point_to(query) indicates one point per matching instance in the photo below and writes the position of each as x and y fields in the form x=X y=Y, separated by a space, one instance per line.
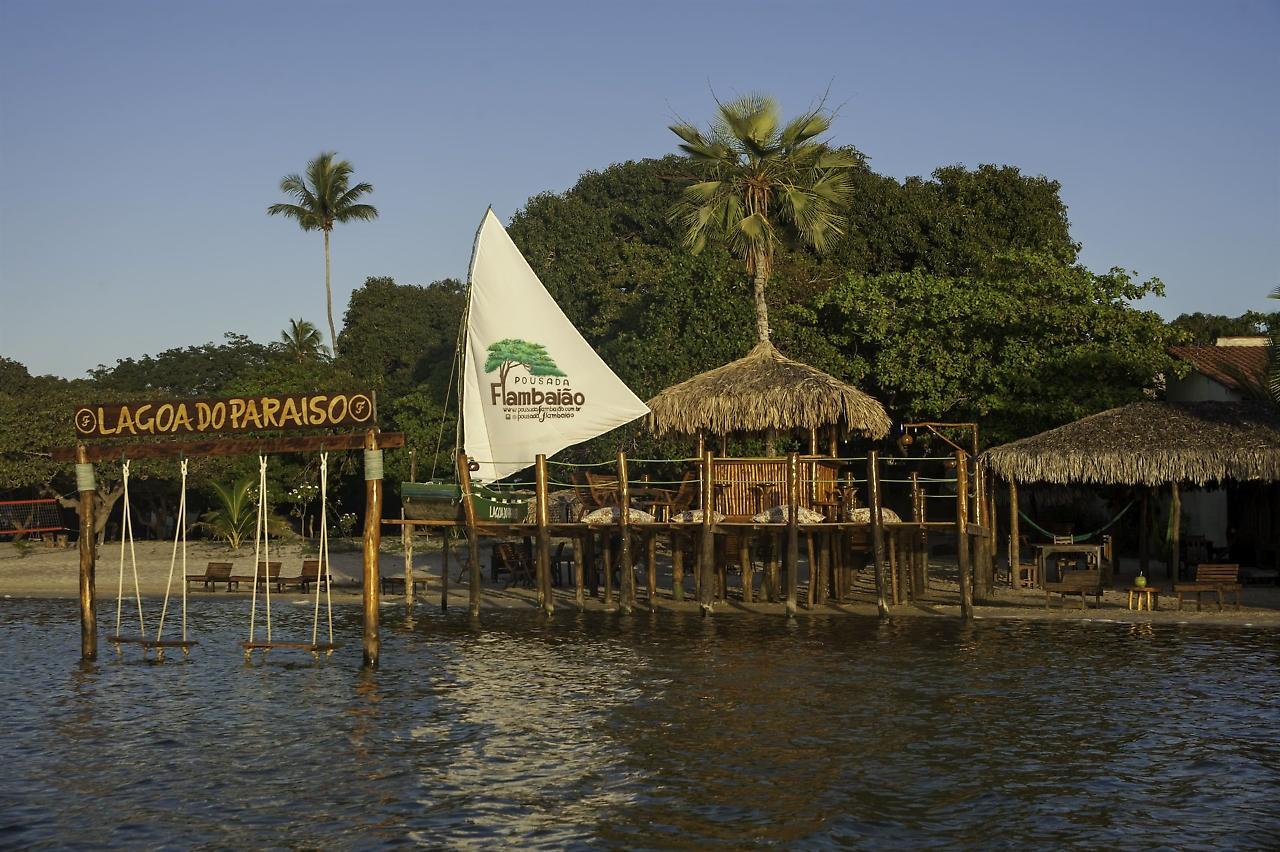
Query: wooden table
x=1149 y=594
x=1091 y=552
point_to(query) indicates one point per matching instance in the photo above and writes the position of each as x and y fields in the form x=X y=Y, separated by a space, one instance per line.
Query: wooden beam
x=227 y=447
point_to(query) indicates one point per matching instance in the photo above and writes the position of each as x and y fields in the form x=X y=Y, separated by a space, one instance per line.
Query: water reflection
x=645 y=731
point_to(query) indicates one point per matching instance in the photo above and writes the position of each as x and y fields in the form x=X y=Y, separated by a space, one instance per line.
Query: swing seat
x=328 y=648
x=184 y=644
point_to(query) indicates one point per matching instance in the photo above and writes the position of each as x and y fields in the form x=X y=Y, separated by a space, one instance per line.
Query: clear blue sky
x=141 y=142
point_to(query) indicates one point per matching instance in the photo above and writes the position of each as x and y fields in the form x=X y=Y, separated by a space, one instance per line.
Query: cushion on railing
x=863 y=516
x=611 y=515
x=781 y=514
x=694 y=516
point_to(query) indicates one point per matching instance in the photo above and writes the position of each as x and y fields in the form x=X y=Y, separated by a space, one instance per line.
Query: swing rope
x=179 y=534
x=126 y=534
x=322 y=576
x=261 y=545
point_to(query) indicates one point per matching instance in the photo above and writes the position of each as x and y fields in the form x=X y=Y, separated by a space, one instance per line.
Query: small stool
x=1149 y=594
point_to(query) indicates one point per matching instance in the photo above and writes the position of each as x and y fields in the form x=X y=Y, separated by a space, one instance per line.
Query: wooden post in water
x=980 y=548
x=627 y=580
x=919 y=581
x=546 y=597
x=962 y=534
x=707 y=544
x=1015 y=544
x=677 y=566
x=579 y=569
x=651 y=578
x=473 y=535
x=877 y=530
x=1175 y=530
x=372 y=544
x=792 y=558
x=87 y=489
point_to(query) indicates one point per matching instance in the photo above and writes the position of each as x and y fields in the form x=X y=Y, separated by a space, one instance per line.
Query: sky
x=141 y=142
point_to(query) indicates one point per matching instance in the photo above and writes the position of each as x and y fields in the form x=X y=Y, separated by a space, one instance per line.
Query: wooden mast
x=372 y=542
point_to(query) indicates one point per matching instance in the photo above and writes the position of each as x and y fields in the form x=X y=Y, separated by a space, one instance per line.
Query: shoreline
x=39 y=572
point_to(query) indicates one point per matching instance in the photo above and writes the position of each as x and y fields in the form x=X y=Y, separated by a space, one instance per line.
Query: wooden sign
x=236 y=414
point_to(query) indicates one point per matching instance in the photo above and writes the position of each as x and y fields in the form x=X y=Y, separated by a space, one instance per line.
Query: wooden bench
x=1080 y=583
x=214 y=573
x=1211 y=578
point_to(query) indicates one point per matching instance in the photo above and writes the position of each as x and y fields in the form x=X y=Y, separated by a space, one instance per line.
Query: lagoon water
x=643 y=732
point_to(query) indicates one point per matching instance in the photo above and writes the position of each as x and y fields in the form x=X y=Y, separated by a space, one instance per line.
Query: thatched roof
x=761 y=391
x=1150 y=443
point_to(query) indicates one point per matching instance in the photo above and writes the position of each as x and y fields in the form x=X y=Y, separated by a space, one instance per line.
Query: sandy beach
x=38 y=570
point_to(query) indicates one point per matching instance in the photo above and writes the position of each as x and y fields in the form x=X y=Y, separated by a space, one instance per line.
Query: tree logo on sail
x=522 y=397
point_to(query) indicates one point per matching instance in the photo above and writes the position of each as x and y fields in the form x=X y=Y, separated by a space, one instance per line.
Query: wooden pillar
x=744 y=557
x=1015 y=545
x=88 y=556
x=792 y=558
x=1175 y=530
x=834 y=438
x=677 y=566
x=706 y=546
x=981 y=547
x=919 y=552
x=962 y=534
x=627 y=581
x=372 y=543
x=473 y=535
x=546 y=596
x=877 y=530
x=579 y=569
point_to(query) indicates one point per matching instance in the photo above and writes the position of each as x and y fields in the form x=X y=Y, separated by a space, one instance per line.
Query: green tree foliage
x=1033 y=345
x=192 y=371
x=324 y=198
x=396 y=337
x=234 y=513
x=756 y=176
x=1207 y=328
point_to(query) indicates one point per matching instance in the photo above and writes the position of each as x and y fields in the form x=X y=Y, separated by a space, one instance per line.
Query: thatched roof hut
x=765 y=390
x=1150 y=443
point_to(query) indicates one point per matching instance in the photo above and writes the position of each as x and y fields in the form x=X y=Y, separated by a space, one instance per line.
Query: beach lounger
x=214 y=573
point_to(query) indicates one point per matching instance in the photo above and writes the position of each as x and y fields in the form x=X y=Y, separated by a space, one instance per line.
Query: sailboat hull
x=442 y=501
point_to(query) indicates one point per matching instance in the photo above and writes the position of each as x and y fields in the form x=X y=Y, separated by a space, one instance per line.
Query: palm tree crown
x=302 y=341
x=757 y=175
x=321 y=200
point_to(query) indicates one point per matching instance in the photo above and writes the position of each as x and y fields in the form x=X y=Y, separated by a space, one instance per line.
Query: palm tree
x=325 y=198
x=756 y=176
x=302 y=340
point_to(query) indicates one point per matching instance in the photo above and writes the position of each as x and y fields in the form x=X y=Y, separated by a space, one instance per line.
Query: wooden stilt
x=372 y=543
x=406 y=543
x=744 y=557
x=824 y=568
x=627 y=582
x=899 y=587
x=706 y=548
x=1015 y=543
x=877 y=531
x=546 y=596
x=1175 y=531
x=606 y=557
x=811 y=592
x=88 y=559
x=962 y=534
x=473 y=535
x=792 y=559
x=579 y=569
x=774 y=577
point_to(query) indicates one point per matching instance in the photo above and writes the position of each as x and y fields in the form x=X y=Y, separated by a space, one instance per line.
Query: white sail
x=531 y=384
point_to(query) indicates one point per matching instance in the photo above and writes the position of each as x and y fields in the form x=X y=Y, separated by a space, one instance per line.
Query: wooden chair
x=681 y=500
x=214 y=573
x=520 y=571
x=1080 y=583
x=602 y=489
x=1211 y=578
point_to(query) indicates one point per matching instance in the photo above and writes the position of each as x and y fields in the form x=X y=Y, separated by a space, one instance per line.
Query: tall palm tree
x=757 y=176
x=325 y=198
x=302 y=340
